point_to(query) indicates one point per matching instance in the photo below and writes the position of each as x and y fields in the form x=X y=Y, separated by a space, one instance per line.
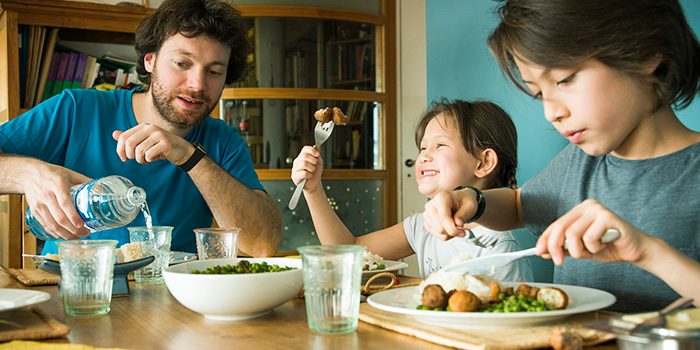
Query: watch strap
x=199 y=153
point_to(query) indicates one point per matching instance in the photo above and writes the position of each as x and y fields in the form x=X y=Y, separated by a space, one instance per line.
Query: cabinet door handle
x=409 y=162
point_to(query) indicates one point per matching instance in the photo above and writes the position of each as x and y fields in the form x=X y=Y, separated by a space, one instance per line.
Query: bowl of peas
x=234 y=289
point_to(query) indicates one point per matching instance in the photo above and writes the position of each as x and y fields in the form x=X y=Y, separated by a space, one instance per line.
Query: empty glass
x=87 y=268
x=216 y=243
x=332 y=286
x=154 y=240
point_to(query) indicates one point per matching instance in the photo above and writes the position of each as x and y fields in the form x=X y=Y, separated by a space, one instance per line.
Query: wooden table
x=150 y=318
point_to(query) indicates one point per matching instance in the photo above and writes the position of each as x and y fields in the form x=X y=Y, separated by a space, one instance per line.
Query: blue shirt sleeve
x=28 y=134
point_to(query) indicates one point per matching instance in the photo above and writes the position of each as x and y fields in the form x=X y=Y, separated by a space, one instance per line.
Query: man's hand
x=47 y=190
x=147 y=143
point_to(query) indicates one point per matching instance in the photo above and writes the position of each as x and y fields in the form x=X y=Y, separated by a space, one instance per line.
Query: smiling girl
x=609 y=74
x=461 y=144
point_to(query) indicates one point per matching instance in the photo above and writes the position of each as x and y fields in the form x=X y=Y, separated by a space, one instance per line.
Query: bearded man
x=191 y=166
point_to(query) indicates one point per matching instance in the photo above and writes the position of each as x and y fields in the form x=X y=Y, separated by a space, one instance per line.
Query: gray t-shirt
x=660 y=196
x=434 y=253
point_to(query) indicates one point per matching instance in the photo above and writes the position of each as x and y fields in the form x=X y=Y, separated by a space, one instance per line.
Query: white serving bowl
x=235 y=296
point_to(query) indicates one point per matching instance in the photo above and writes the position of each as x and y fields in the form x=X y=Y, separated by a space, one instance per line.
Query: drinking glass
x=154 y=240
x=332 y=286
x=87 y=268
x=216 y=243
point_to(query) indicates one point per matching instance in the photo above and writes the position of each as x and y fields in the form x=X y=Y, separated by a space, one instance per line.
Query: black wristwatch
x=199 y=153
x=480 y=203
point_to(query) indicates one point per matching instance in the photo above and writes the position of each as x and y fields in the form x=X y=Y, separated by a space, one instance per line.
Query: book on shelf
x=60 y=73
x=76 y=81
x=67 y=81
x=47 y=64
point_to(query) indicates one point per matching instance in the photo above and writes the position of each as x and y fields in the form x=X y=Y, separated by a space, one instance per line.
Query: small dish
x=181 y=257
x=120 y=283
x=390 y=266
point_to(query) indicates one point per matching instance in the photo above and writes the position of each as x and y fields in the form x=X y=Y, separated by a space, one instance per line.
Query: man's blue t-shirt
x=74 y=130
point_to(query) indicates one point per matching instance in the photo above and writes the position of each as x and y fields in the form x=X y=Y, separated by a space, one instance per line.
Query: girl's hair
x=216 y=19
x=623 y=34
x=482 y=125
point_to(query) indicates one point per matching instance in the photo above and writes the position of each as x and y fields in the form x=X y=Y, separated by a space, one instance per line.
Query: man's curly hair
x=215 y=19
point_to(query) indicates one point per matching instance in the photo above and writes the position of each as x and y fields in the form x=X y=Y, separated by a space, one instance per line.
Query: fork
x=322 y=132
x=483 y=241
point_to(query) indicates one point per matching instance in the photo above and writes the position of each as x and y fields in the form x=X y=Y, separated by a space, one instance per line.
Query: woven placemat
x=34 y=277
x=486 y=338
x=30 y=324
x=32 y=345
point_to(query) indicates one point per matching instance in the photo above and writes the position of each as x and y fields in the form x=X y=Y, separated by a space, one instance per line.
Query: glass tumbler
x=155 y=241
x=332 y=286
x=87 y=268
x=216 y=243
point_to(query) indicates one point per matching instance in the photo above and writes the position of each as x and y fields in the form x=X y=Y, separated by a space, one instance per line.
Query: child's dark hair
x=623 y=34
x=481 y=125
x=216 y=19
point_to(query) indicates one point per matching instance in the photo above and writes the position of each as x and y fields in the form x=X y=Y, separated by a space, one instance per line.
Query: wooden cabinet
x=350 y=63
x=78 y=21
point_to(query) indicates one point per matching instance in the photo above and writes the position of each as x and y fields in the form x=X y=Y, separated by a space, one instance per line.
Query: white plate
x=181 y=257
x=391 y=265
x=11 y=299
x=581 y=299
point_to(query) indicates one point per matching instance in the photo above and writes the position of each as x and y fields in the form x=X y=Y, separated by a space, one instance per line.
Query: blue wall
x=459 y=65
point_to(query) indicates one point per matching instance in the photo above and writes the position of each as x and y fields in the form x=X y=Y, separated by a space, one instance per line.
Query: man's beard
x=163 y=101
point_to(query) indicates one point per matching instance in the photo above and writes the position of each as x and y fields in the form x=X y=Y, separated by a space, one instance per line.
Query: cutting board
x=487 y=338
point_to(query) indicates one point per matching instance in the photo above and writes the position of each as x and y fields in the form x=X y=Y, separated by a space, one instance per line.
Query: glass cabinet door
x=310 y=53
x=275 y=130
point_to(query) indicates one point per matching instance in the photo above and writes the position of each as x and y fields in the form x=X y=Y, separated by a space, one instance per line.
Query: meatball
x=434 y=296
x=464 y=301
x=339 y=118
x=324 y=115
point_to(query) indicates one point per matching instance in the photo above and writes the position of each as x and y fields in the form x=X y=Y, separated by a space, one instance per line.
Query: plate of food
x=483 y=302
x=11 y=299
x=374 y=264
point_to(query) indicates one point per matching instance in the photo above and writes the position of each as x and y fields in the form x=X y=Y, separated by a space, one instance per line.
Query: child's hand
x=308 y=165
x=582 y=228
x=447 y=210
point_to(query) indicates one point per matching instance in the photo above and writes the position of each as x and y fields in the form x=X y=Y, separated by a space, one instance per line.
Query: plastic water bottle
x=104 y=203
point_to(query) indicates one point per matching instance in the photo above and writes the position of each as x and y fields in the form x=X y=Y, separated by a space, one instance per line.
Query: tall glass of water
x=332 y=286
x=87 y=268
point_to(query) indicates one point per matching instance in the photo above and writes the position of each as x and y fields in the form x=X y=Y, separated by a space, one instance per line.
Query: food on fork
x=336 y=115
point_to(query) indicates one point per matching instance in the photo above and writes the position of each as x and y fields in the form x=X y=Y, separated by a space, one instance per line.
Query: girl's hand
x=448 y=210
x=308 y=165
x=582 y=228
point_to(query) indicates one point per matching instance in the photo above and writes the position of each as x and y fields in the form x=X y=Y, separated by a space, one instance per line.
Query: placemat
x=34 y=277
x=487 y=338
x=34 y=324
x=32 y=345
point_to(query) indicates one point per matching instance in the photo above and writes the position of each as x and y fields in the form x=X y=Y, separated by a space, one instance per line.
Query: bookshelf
x=71 y=20
x=324 y=44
